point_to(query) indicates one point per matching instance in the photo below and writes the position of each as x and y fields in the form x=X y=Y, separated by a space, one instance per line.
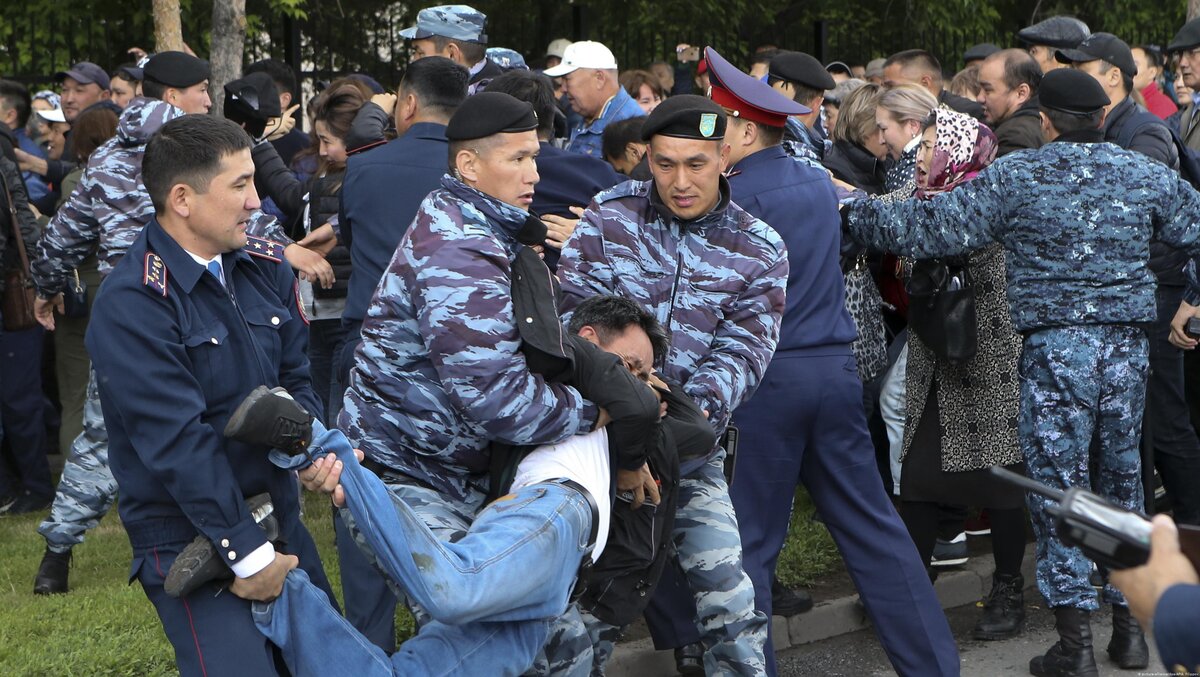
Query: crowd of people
x=561 y=343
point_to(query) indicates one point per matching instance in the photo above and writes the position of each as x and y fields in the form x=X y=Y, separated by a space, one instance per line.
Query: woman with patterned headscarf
x=961 y=417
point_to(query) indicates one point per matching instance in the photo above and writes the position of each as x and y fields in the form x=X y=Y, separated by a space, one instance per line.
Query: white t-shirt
x=583 y=458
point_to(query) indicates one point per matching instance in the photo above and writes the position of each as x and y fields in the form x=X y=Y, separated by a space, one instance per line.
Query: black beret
x=176 y=69
x=979 y=52
x=1071 y=91
x=1063 y=32
x=1101 y=46
x=686 y=116
x=801 y=68
x=489 y=113
x=255 y=96
x=1187 y=37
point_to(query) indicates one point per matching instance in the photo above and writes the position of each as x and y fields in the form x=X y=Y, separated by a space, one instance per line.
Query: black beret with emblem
x=801 y=68
x=489 y=113
x=1071 y=91
x=176 y=69
x=686 y=116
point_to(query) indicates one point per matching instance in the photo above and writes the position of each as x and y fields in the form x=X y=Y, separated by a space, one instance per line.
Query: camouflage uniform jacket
x=1076 y=218
x=717 y=284
x=439 y=374
x=110 y=205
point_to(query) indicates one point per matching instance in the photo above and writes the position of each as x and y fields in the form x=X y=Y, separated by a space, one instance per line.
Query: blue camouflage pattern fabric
x=110 y=205
x=87 y=489
x=439 y=375
x=1091 y=267
x=800 y=144
x=1077 y=381
x=458 y=22
x=717 y=285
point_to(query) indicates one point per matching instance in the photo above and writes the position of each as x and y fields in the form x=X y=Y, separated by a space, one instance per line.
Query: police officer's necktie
x=214 y=267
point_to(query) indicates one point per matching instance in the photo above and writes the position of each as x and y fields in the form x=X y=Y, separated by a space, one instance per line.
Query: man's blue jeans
x=316 y=640
x=517 y=562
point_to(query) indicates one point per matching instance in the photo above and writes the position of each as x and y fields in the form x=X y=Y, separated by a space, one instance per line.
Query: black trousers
x=1169 y=441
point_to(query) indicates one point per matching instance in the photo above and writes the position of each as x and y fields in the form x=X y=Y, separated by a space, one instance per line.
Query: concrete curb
x=832 y=618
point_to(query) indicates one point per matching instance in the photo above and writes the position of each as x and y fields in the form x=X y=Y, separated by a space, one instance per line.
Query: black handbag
x=18 y=298
x=941 y=308
x=75 y=298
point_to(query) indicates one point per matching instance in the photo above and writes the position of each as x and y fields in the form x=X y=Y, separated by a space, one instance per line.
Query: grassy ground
x=105 y=627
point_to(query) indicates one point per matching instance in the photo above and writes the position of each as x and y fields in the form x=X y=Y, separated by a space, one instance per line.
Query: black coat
x=26 y=223
x=1022 y=129
x=856 y=166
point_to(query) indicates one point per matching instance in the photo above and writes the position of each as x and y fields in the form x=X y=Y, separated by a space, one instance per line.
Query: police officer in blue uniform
x=193 y=318
x=806 y=422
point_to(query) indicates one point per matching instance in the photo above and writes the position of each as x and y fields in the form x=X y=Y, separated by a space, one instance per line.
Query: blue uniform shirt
x=175 y=352
x=380 y=195
x=799 y=203
x=586 y=138
x=568 y=180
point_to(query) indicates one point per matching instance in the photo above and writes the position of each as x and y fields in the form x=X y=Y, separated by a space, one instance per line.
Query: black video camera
x=1112 y=536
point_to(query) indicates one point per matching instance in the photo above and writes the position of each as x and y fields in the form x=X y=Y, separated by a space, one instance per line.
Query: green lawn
x=105 y=627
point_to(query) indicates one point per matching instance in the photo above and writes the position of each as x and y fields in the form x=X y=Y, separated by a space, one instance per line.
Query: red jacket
x=1158 y=103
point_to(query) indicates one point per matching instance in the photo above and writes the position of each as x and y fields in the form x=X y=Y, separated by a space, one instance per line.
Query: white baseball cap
x=558 y=47
x=584 y=54
x=52 y=115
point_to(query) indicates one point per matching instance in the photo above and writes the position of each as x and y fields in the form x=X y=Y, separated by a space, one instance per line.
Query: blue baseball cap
x=87 y=73
x=457 y=22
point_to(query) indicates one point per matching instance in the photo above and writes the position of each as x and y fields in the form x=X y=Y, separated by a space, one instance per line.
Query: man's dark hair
x=764 y=55
x=280 y=72
x=620 y=134
x=533 y=88
x=919 y=58
x=1066 y=123
x=153 y=90
x=1020 y=69
x=189 y=150
x=801 y=94
x=472 y=52
x=438 y=83
x=16 y=96
x=771 y=136
x=612 y=315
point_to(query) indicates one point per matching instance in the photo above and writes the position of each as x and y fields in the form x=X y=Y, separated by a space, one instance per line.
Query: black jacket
x=856 y=166
x=26 y=223
x=961 y=104
x=1022 y=129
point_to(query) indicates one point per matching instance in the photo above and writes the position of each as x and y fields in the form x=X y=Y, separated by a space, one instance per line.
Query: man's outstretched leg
x=316 y=640
x=518 y=560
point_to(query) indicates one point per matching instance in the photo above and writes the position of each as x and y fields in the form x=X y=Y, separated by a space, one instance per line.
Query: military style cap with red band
x=747 y=97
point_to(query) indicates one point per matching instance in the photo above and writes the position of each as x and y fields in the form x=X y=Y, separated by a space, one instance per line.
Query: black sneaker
x=52 y=573
x=199 y=563
x=689 y=660
x=29 y=504
x=787 y=602
x=950 y=553
x=270 y=417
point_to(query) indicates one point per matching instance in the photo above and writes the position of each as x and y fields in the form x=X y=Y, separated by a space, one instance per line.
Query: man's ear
x=406 y=107
x=466 y=163
x=1024 y=93
x=724 y=161
x=180 y=199
x=635 y=151
x=588 y=334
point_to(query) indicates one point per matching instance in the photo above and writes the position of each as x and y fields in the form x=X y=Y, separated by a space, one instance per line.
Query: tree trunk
x=1193 y=9
x=168 y=33
x=228 y=44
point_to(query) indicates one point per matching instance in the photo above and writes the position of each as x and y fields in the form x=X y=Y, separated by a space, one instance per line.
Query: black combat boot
x=270 y=417
x=1004 y=610
x=787 y=602
x=1127 y=648
x=52 y=573
x=1072 y=655
x=689 y=660
x=199 y=562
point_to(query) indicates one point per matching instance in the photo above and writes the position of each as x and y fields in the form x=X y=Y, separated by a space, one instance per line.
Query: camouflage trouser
x=1076 y=381
x=87 y=489
x=581 y=645
x=709 y=548
x=604 y=637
